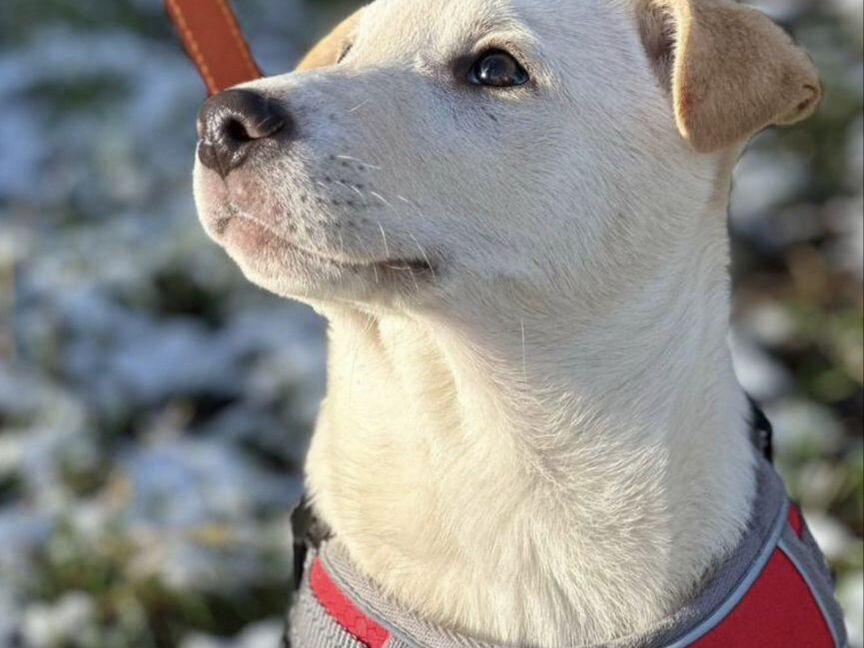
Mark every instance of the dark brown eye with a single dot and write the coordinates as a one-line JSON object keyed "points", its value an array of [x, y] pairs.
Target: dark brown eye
{"points": [[497, 69]]}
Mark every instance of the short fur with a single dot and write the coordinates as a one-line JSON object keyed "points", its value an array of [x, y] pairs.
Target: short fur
{"points": [[532, 431], [328, 51]]}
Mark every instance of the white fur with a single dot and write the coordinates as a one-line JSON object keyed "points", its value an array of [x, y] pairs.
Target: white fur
{"points": [[541, 441]]}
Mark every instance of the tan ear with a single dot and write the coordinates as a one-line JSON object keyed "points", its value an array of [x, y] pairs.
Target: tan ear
{"points": [[330, 48], [731, 70]]}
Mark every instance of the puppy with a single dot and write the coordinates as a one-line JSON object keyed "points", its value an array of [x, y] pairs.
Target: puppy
{"points": [[513, 215]]}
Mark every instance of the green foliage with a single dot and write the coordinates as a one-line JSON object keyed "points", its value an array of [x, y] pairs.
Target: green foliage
{"points": [[133, 610], [101, 175]]}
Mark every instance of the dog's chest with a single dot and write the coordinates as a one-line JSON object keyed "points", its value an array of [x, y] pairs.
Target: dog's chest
{"points": [[774, 591]]}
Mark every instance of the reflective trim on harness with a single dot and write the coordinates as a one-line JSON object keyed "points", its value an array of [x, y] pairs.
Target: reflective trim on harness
{"points": [[814, 593], [343, 610]]}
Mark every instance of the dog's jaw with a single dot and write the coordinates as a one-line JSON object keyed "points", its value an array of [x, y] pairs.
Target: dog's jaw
{"points": [[525, 478]]}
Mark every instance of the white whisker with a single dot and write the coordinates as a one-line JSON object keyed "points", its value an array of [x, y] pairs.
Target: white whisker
{"points": [[384, 238], [375, 194], [524, 354], [359, 106], [425, 256], [358, 161], [351, 187], [370, 321], [414, 279]]}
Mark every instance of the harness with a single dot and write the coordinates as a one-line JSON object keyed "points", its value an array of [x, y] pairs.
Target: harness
{"points": [[774, 591]]}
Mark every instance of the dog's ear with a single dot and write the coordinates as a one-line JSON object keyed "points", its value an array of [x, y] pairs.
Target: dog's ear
{"points": [[330, 48], [730, 70]]}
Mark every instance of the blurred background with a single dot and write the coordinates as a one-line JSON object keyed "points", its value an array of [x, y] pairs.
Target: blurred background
{"points": [[155, 407]]}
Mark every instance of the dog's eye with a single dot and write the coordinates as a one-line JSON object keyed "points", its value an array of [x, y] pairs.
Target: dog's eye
{"points": [[497, 69]]}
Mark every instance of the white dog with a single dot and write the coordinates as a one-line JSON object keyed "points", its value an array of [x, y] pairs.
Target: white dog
{"points": [[513, 215]]}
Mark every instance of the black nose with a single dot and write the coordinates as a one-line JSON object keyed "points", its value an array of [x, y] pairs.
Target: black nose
{"points": [[232, 122]]}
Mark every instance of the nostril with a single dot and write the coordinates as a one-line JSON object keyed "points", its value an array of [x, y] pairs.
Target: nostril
{"points": [[236, 131]]}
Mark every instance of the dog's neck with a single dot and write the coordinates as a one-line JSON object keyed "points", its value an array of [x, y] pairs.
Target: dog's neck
{"points": [[542, 477]]}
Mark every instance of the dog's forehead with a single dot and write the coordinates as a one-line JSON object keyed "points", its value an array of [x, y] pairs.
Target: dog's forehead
{"points": [[394, 27]]}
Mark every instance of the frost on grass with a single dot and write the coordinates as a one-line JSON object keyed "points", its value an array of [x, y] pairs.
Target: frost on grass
{"points": [[155, 408]]}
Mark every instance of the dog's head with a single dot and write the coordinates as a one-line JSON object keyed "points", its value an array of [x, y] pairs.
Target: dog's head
{"points": [[430, 148]]}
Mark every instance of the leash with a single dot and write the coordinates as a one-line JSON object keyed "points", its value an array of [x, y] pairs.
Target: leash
{"points": [[212, 37]]}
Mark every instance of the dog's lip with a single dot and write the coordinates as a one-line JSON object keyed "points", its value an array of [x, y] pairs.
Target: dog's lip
{"points": [[396, 264]]}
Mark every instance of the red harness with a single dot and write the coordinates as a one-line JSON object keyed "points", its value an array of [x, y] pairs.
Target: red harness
{"points": [[779, 610]]}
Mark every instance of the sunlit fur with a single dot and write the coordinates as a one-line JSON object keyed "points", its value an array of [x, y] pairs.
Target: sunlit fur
{"points": [[538, 438]]}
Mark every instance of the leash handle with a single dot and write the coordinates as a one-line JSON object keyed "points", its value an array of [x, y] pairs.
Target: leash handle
{"points": [[211, 35]]}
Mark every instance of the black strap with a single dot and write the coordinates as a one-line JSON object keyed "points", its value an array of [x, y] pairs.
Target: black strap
{"points": [[309, 532], [762, 430]]}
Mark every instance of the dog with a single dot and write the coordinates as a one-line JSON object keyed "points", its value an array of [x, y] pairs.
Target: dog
{"points": [[512, 214]]}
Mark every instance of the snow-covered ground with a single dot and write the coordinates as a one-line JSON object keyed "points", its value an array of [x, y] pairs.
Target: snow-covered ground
{"points": [[155, 408]]}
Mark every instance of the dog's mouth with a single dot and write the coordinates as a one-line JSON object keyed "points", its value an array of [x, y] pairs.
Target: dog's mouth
{"points": [[241, 230], [304, 253]]}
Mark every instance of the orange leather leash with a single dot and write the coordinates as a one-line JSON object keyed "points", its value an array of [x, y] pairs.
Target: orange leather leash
{"points": [[211, 35]]}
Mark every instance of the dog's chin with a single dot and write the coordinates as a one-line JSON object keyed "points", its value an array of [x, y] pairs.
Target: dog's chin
{"points": [[277, 264]]}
